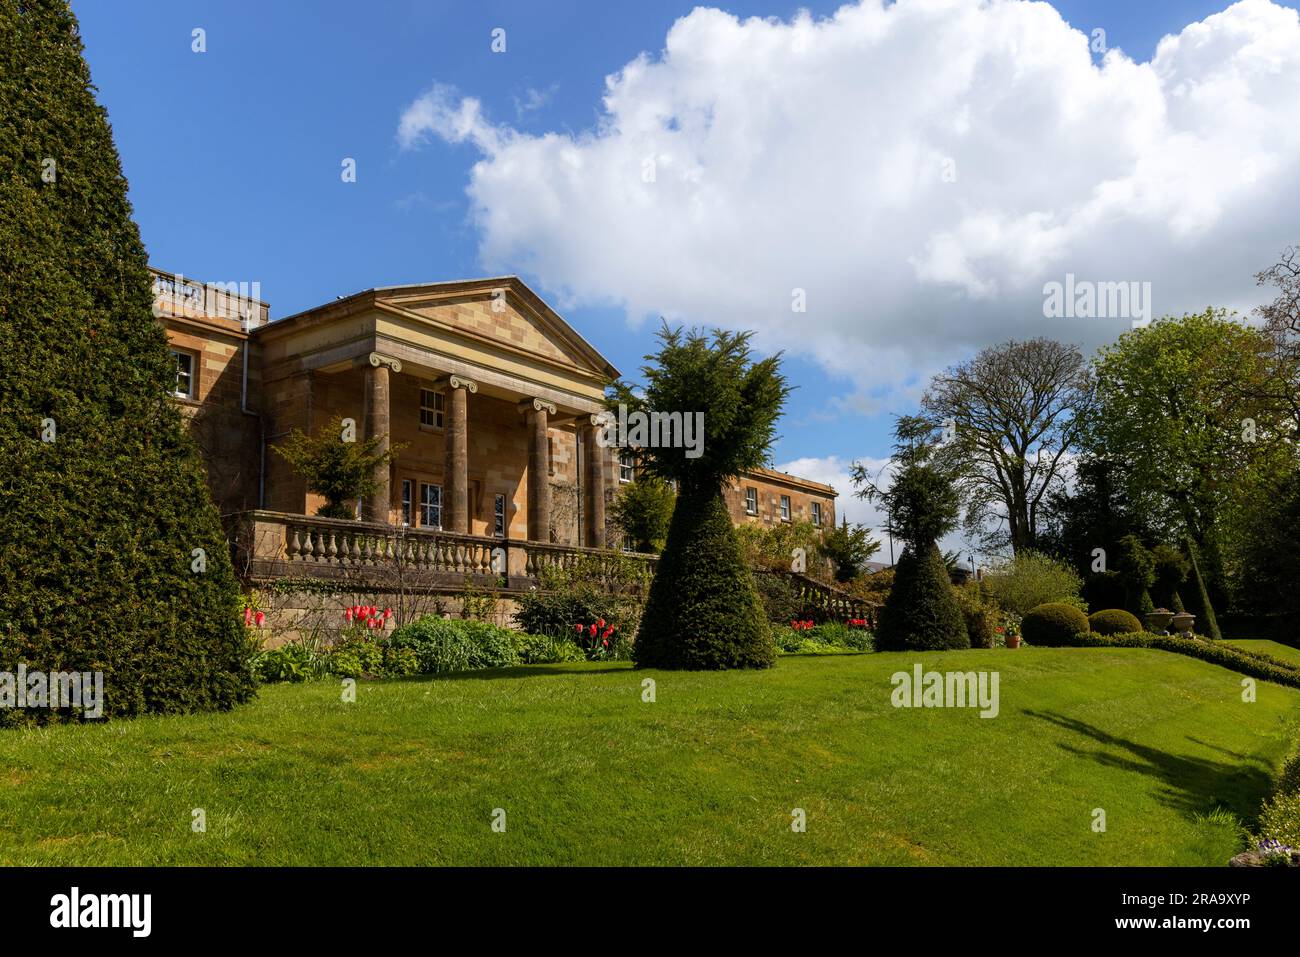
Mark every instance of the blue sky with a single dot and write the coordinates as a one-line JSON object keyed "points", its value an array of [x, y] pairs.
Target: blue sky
{"points": [[233, 156]]}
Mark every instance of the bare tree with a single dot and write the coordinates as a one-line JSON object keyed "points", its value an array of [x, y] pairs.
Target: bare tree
{"points": [[1282, 326], [1012, 415]]}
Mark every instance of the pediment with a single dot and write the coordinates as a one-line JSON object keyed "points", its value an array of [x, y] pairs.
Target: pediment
{"points": [[504, 312]]}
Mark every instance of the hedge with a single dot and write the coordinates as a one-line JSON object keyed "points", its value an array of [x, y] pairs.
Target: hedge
{"points": [[102, 491], [1247, 663]]}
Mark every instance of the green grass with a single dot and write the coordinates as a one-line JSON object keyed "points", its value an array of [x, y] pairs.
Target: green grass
{"points": [[1262, 646], [708, 774]]}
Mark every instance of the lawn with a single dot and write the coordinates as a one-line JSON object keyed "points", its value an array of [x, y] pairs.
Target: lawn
{"points": [[709, 773], [1262, 646]]}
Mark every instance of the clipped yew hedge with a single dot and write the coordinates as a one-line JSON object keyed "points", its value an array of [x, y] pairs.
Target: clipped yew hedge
{"points": [[1114, 621], [102, 493]]}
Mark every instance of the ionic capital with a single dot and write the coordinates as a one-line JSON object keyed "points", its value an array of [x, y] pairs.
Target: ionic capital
{"points": [[378, 359], [537, 405]]}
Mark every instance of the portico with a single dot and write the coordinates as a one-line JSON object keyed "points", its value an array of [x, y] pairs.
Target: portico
{"points": [[493, 400]]}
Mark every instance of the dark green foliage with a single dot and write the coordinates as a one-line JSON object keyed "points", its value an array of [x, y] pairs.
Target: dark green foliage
{"points": [[643, 511], [1104, 590], [1171, 568], [1272, 561], [100, 525], [456, 644], [1137, 570], [921, 612], [1113, 621], [1096, 513], [1054, 624], [781, 602], [1198, 602], [849, 547], [981, 617], [703, 611], [341, 471]]}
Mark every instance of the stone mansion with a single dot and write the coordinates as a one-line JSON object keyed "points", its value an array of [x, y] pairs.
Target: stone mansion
{"points": [[493, 397]]}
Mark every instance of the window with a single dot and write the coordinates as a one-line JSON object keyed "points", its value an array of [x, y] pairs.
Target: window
{"points": [[817, 513], [785, 508], [626, 467], [184, 375], [430, 506], [499, 516], [751, 501], [431, 408], [406, 501]]}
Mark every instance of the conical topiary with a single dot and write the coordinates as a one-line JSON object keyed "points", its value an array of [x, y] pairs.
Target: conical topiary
{"points": [[922, 611], [1199, 600], [112, 557]]}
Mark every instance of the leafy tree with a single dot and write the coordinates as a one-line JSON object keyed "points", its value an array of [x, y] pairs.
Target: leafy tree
{"points": [[1282, 327], [1137, 570], [1013, 414], [774, 547], [1094, 515], [643, 511], [342, 471], [1171, 569], [921, 506], [849, 547], [112, 555], [1178, 410], [1272, 562], [703, 611]]}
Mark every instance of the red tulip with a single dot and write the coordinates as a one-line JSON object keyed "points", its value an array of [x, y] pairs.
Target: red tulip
{"points": [[261, 617], [348, 614], [388, 613], [577, 629], [601, 622], [248, 616], [593, 631], [606, 643]]}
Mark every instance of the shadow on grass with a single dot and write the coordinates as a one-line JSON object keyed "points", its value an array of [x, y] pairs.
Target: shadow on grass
{"points": [[1192, 786]]}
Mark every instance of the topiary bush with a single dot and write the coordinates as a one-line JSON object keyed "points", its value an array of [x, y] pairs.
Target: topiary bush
{"points": [[1054, 624], [112, 555], [703, 611], [1113, 621], [922, 610]]}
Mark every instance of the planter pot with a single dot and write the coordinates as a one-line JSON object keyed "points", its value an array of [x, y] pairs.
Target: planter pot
{"points": [[1013, 641], [1183, 624], [1158, 620]]}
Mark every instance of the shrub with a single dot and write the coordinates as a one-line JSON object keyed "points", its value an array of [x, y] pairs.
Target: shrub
{"points": [[1288, 780], [643, 510], [922, 610], [589, 590], [821, 638], [363, 655], [1253, 664], [543, 649], [1113, 621], [982, 618], [1171, 569], [703, 611], [102, 490], [341, 471], [442, 644], [1199, 601], [291, 662], [1054, 624], [1280, 818], [780, 598], [1032, 579]]}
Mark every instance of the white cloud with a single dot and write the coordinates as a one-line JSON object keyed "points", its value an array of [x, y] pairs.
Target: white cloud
{"points": [[810, 154]]}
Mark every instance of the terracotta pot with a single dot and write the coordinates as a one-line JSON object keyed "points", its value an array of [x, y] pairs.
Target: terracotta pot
{"points": [[1013, 641]]}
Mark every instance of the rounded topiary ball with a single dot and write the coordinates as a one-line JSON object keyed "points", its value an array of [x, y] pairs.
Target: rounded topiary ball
{"points": [[1114, 621], [1053, 624]]}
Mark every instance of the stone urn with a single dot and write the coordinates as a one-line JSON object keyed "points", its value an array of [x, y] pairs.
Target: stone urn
{"points": [[1158, 620], [1183, 623]]}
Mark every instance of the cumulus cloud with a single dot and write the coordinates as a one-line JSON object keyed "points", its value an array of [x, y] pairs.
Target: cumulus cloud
{"points": [[919, 170]]}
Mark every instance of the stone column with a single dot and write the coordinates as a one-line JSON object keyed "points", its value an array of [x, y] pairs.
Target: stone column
{"points": [[374, 508], [539, 469], [455, 506], [594, 480]]}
